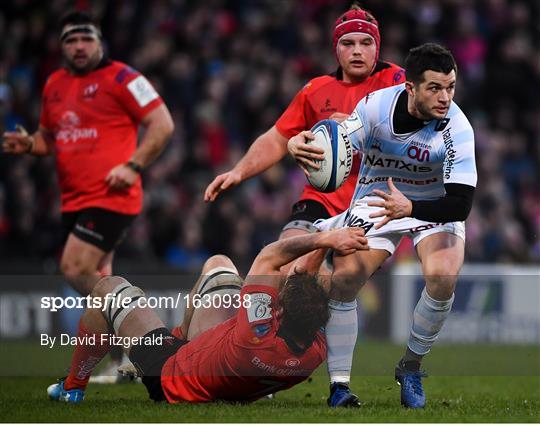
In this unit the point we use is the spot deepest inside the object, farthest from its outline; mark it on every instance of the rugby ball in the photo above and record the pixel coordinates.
(338, 156)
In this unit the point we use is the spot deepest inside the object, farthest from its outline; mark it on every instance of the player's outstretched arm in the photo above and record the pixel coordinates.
(344, 241)
(20, 142)
(268, 149)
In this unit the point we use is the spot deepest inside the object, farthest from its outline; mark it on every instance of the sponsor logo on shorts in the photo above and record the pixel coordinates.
(355, 221)
(168, 340)
(425, 227)
(89, 232)
(299, 207)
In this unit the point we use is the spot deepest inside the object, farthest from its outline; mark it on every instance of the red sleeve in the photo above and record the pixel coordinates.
(135, 93)
(293, 119)
(393, 76)
(256, 318)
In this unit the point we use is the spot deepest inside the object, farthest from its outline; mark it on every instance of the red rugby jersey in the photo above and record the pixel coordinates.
(319, 99)
(241, 359)
(94, 119)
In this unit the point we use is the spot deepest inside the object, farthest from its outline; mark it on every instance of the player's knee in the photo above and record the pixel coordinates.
(441, 287)
(346, 282)
(444, 270)
(218, 261)
(441, 280)
(74, 268)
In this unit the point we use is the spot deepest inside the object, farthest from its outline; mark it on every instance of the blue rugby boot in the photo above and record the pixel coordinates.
(57, 392)
(341, 396)
(410, 381)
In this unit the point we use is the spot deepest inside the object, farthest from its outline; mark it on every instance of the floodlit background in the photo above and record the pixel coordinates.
(226, 70)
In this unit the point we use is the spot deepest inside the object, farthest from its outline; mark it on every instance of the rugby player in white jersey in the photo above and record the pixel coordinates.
(417, 179)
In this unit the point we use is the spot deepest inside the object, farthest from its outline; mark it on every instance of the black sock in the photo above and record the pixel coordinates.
(411, 361)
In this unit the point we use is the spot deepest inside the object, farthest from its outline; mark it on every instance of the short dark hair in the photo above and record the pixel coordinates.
(369, 16)
(428, 56)
(305, 307)
(77, 17)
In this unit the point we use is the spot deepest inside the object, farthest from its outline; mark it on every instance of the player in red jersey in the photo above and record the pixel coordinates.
(272, 342)
(90, 114)
(356, 42)
(356, 45)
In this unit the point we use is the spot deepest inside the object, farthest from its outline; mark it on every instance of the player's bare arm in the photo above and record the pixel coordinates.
(20, 142)
(344, 241)
(159, 128)
(268, 149)
(303, 153)
(309, 263)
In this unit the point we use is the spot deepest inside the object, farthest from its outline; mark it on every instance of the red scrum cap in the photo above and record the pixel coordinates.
(357, 20)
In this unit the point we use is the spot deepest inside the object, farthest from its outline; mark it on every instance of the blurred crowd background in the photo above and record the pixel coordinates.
(227, 69)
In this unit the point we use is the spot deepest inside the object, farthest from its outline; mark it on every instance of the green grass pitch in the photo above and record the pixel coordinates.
(466, 384)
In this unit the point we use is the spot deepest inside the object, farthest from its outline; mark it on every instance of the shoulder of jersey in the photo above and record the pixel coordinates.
(391, 74)
(457, 116)
(122, 73)
(56, 76)
(382, 94)
(318, 82)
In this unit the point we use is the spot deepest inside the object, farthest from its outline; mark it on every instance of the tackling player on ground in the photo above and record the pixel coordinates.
(356, 43)
(273, 342)
(418, 144)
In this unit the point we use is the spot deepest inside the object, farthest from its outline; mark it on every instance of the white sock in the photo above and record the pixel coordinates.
(341, 333)
(428, 319)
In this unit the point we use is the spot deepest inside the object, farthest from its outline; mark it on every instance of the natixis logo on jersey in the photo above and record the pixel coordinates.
(70, 129)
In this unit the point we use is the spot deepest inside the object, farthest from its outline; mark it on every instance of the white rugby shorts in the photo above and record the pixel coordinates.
(388, 236)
